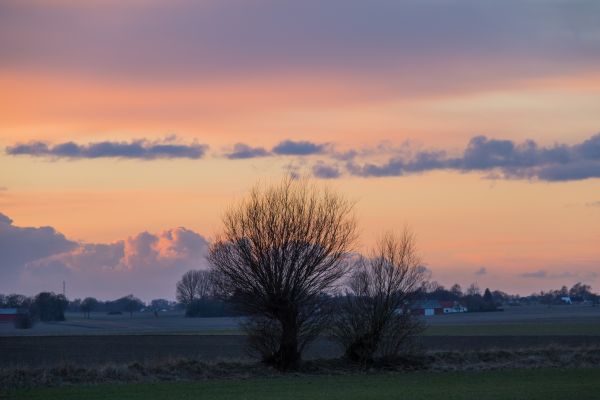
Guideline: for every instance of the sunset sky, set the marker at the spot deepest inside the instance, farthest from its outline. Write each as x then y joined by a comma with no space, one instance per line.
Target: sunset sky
128,127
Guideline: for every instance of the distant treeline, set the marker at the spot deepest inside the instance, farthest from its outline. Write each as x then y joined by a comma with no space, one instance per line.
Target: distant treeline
48,306
475,301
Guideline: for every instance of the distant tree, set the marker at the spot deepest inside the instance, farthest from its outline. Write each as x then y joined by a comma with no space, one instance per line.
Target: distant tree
488,301
160,304
501,297
88,305
194,285
473,290
129,304
441,294
547,298
281,248
74,305
375,320
48,306
17,301
563,292
433,286
456,290
580,292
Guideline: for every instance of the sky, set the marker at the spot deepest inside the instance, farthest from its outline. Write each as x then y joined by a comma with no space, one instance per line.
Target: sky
128,127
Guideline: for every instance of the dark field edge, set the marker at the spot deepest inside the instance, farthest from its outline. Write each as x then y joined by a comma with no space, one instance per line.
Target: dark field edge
49,351
461,329
187,369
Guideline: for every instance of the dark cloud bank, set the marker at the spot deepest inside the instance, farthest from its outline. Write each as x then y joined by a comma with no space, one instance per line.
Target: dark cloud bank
511,160
243,151
137,149
300,148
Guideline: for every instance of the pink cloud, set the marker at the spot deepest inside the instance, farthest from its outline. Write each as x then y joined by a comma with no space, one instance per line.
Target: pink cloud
145,264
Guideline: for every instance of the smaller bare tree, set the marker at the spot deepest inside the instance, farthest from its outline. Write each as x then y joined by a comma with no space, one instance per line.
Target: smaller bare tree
374,321
194,285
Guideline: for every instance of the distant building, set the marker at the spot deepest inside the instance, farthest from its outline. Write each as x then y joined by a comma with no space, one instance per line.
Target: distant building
427,308
434,307
566,300
8,314
451,307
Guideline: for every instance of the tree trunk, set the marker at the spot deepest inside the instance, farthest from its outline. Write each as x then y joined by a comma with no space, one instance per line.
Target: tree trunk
288,356
363,348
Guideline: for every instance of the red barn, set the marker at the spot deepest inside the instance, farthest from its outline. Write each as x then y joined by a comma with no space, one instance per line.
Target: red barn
8,314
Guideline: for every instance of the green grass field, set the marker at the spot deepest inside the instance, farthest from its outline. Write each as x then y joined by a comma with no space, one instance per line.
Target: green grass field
546,384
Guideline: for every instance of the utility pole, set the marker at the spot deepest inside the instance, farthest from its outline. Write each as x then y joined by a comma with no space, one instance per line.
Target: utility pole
64,289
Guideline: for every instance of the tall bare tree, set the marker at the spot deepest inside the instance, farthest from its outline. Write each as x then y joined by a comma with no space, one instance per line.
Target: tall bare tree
194,285
374,320
280,249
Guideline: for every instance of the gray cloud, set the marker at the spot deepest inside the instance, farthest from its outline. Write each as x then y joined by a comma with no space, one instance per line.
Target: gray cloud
242,151
525,160
543,274
593,204
137,149
147,264
19,246
299,148
481,271
325,171
568,172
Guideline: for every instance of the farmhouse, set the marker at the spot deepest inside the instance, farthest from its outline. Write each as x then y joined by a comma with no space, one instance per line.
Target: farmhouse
451,307
434,307
566,300
8,314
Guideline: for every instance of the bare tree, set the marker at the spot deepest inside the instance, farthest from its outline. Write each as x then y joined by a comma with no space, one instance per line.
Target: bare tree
88,305
375,320
473,290
194,285
281,248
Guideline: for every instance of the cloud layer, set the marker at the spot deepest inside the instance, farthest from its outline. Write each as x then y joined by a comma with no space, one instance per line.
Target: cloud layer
497,158
140,149
511,160
543,274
